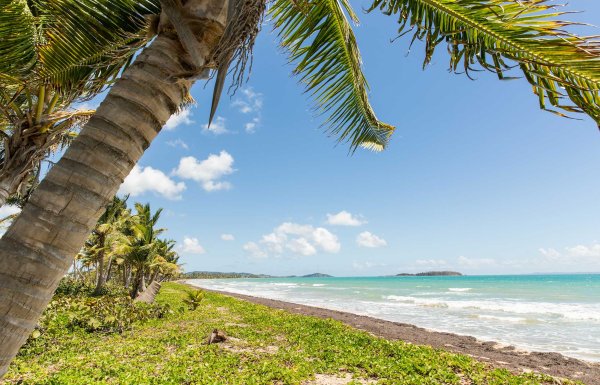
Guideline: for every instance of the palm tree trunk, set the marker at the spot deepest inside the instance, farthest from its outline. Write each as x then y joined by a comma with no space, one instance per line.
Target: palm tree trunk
108,270
37,250
99,274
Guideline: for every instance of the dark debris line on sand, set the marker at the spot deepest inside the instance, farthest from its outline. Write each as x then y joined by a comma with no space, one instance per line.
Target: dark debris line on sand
554,364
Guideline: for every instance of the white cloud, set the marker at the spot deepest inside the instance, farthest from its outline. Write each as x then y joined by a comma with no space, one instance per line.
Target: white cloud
344,218
178,143
367,239
227,237
142,179
217,126
250,102
7,210
476,262
298,239
579,255
255,251
192,246
207,172
250,127
176,120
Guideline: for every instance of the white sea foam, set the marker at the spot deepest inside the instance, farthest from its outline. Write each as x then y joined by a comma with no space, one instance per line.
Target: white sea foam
460,289
318,284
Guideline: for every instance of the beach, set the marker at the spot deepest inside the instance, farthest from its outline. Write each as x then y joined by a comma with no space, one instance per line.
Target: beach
493,353
488,318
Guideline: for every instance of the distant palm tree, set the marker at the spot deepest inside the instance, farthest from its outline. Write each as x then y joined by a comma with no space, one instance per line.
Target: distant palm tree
144,244
196,36
102,246
47,62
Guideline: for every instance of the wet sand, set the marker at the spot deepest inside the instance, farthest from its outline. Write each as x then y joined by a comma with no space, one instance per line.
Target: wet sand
492,353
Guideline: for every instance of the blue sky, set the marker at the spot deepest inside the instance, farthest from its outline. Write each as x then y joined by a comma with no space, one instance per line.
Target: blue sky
476,178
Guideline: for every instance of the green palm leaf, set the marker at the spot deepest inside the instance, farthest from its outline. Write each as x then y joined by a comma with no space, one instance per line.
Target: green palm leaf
17,38
499,33
320,42
76,46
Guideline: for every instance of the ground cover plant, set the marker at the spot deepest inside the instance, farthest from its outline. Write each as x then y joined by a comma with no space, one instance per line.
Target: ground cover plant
263,346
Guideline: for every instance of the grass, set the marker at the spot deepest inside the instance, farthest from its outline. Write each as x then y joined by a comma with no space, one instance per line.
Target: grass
265,346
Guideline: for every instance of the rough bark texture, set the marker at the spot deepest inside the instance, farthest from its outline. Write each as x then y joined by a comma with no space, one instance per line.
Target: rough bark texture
148,295
37,250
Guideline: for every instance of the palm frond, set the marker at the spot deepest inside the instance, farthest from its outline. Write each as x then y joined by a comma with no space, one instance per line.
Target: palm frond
497,34
91,41
17,39
321,43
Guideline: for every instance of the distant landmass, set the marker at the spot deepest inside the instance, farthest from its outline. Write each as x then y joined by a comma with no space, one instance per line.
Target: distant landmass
220,275
430,274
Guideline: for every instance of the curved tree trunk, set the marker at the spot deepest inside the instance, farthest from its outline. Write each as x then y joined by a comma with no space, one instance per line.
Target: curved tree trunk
37,250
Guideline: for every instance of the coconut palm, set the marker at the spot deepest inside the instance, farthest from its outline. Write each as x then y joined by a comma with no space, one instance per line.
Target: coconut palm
49,62
197,36
144,245
102,245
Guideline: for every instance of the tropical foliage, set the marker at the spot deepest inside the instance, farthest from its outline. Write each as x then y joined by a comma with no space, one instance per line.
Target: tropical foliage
125,250
55,53
500,34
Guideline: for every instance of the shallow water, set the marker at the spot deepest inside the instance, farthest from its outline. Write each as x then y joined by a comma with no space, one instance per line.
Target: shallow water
559,313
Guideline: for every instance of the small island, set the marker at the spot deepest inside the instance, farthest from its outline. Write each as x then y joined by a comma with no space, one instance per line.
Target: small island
430,274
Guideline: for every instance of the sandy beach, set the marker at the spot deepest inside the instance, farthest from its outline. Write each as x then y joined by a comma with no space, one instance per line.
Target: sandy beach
493,353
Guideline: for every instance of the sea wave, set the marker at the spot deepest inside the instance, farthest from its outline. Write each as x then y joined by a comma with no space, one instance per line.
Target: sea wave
460,289
569,311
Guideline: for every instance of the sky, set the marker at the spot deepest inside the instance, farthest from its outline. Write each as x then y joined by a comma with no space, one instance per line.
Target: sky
476,179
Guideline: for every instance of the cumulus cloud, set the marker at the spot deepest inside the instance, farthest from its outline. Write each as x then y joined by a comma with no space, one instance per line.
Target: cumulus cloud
344,218
578,254
295,238
178,143
192,246
367,239
143,179
207,172
182,118
217,127
227,237
255,251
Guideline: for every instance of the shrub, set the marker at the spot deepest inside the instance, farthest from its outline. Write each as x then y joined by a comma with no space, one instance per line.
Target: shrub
193,299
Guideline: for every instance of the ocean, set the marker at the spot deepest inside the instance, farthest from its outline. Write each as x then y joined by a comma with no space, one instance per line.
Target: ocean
557,313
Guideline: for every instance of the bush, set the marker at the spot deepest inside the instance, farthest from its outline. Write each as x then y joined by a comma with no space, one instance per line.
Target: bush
99,314
71,286
193,299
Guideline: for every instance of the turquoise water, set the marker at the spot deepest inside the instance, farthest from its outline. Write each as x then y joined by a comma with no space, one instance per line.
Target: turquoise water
559,313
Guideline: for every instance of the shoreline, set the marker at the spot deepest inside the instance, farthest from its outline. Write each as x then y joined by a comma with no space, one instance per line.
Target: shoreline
490,352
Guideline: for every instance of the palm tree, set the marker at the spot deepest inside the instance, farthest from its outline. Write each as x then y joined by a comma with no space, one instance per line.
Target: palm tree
44,70
101,245
200,35
144,245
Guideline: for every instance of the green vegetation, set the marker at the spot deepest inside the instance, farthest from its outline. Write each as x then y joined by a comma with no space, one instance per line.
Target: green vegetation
125,250
264,346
